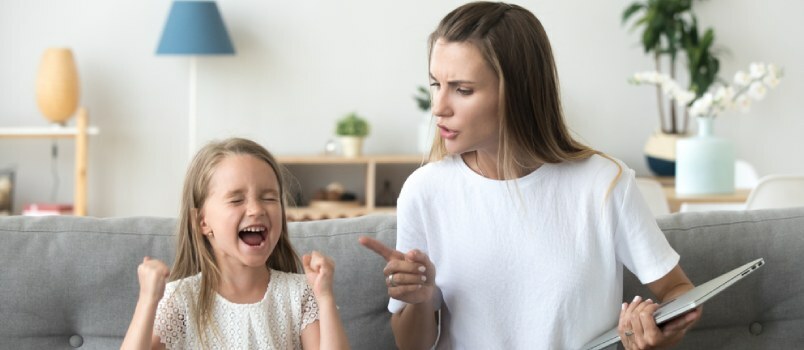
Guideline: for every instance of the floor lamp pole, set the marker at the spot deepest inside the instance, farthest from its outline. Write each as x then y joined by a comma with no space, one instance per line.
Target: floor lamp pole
193,111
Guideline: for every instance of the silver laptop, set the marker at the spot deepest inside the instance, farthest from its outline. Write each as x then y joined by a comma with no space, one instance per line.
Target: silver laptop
683,303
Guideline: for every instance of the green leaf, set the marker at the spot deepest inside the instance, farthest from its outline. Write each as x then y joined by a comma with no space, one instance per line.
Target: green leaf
632,9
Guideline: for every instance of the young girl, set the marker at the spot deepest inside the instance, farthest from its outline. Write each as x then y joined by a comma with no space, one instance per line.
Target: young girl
234,284
515,231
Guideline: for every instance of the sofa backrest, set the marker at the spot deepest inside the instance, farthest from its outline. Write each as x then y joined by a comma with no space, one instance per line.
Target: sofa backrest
69,281
72,281
765,310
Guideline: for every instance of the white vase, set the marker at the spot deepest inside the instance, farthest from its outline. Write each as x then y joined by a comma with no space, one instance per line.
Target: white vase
426,132
704,163
351,146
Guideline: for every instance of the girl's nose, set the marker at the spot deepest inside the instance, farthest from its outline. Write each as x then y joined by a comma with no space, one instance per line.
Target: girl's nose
255,208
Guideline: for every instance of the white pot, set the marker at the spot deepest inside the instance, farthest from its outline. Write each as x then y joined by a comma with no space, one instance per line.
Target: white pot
660,153
351,146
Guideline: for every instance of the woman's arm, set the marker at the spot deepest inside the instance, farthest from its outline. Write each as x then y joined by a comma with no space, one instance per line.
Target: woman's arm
153,276
327,332
673,284
637,326
415,326
410,278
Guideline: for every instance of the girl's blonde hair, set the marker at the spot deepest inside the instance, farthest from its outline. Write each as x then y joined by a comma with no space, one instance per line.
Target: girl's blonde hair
193,251
515,46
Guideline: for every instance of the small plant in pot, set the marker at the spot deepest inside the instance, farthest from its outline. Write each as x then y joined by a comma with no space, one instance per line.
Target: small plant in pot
352,129
426,127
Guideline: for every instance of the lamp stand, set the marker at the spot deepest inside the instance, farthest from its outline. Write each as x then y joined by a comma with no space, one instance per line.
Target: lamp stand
193,110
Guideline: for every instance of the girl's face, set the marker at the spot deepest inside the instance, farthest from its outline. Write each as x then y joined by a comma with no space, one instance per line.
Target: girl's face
465,97
241,216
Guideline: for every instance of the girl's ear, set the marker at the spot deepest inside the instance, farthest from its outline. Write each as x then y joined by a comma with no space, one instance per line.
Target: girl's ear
197,215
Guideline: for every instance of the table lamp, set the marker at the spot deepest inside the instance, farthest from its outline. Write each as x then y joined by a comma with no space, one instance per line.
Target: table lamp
194,28
57,91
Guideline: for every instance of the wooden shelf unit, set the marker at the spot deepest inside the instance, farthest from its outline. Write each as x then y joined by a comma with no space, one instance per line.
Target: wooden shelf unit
370,162
80,133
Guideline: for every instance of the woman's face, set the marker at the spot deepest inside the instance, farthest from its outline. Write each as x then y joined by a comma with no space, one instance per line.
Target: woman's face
465,97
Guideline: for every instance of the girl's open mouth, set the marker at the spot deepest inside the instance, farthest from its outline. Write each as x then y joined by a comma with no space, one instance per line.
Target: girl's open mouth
253,235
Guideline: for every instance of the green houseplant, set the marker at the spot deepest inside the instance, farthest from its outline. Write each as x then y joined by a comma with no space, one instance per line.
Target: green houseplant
670,32
422,98
352,129
669,27
426,126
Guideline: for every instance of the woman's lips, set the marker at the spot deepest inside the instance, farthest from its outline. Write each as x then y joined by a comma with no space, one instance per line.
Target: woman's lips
447,133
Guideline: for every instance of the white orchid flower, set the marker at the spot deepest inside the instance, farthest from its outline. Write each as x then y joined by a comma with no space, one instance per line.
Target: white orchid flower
757,91
757,70
742,78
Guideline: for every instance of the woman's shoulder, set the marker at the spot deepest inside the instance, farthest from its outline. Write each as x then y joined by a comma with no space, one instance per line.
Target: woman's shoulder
597,166
432,170
596,171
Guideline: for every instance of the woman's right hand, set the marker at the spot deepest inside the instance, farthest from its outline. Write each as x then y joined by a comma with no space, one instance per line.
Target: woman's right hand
409,277
153,275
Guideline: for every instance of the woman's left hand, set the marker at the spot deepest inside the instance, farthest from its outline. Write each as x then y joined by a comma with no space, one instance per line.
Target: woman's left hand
319,270
638,329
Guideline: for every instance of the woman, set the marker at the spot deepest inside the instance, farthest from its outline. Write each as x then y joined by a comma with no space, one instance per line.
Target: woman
514,230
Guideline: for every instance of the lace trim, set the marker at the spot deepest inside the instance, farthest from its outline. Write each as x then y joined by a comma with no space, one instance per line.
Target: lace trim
275,322
309,308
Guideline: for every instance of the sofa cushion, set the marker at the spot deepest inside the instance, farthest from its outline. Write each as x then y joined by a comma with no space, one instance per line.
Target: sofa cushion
359,282
73,280
72,277
765,310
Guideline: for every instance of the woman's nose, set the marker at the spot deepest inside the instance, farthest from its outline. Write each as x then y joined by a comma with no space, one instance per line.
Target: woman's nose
440,103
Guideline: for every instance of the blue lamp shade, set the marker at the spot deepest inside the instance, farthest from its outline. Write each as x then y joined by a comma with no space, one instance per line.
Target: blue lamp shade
195,28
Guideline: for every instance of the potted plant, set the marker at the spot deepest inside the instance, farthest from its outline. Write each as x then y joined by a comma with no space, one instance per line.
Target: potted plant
426,127
352,129
670,28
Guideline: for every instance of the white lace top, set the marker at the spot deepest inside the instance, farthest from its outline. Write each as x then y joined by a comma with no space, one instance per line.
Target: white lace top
275,322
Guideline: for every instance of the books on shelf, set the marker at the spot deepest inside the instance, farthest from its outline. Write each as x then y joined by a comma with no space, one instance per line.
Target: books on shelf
45,209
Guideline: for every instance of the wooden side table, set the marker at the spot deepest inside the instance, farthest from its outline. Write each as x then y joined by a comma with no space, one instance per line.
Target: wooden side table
674,200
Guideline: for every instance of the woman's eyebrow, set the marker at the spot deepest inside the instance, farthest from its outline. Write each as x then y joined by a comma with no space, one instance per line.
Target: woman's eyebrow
454,82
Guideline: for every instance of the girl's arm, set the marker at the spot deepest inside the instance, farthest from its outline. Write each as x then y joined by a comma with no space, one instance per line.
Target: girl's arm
328,333
153,276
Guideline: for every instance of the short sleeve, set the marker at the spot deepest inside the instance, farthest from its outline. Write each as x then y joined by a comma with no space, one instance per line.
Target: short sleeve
309,307
171,318
411,228
640,244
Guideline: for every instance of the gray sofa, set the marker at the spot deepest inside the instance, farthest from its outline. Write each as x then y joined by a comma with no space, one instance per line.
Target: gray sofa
68,282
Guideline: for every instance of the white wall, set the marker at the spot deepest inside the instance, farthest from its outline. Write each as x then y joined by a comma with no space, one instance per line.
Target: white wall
302,64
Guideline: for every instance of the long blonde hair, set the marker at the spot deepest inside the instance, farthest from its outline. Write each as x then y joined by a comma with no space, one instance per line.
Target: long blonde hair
193,251
515,45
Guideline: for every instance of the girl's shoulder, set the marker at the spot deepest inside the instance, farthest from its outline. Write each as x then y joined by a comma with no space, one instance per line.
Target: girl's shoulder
288,279
183,286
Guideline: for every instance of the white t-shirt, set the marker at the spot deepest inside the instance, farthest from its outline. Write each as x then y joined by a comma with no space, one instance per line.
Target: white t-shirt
275,322
534,263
